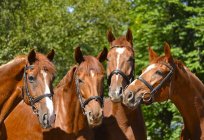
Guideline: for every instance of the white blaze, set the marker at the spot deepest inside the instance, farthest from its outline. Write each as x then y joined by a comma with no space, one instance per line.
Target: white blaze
119,52
150,67
92,73
49,102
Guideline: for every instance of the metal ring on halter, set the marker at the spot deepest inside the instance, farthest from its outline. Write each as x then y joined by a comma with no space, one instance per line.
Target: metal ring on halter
148,99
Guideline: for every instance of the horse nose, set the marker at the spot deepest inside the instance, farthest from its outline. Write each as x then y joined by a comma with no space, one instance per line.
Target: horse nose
45,118
95,116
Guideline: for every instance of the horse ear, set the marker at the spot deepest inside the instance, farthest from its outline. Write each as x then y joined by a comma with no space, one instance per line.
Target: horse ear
78,55
167,51
71,74
129,36
103,55
152,54
32,57
110,36
50,55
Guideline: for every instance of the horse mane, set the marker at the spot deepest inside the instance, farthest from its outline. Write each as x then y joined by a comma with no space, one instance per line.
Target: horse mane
68,77
13,62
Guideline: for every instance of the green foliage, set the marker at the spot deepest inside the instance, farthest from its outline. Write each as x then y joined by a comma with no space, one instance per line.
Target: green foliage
163,121
180,23
58,25
63,25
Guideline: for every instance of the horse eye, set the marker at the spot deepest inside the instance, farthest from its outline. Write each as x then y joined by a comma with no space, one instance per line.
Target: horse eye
80,81
159,73
31,78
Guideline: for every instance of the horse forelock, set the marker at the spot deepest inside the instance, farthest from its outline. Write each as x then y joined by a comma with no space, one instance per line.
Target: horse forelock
44,63
91,63
122,42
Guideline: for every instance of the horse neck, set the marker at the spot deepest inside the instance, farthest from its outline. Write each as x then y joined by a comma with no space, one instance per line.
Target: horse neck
185,87
11,85
69,114
125,118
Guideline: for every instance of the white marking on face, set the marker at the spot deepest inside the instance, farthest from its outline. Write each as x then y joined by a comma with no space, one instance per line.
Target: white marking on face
133,82
119,52
49,102
150,67
92,73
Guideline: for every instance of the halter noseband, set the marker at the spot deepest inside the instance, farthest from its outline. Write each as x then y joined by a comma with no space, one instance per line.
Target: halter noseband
81,100
31,99
128,79
153,90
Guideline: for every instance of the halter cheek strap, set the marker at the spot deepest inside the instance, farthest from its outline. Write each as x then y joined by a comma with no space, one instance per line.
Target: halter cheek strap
31,99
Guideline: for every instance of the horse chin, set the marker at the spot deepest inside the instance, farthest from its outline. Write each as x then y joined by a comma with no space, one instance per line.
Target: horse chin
93,124
115,99
133,105
46,126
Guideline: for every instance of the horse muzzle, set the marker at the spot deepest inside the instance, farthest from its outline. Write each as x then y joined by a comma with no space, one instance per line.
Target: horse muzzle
94,118
47,120
115,95
131,101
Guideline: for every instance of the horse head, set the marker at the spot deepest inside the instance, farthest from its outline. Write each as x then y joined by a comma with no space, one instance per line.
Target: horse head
154,82
89,78
120,64
38,91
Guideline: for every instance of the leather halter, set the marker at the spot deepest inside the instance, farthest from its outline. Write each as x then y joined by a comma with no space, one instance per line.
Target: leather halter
31,99
153,90
83,102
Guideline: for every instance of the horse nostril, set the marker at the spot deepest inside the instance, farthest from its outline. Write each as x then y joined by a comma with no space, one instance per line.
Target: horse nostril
130,95
89,113
45,118
120,91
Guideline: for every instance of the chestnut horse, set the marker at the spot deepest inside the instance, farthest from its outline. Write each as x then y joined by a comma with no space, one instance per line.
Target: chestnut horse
120,122
31,77
166,78
78,102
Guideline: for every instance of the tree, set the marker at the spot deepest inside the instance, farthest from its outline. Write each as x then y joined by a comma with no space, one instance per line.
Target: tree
61,25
